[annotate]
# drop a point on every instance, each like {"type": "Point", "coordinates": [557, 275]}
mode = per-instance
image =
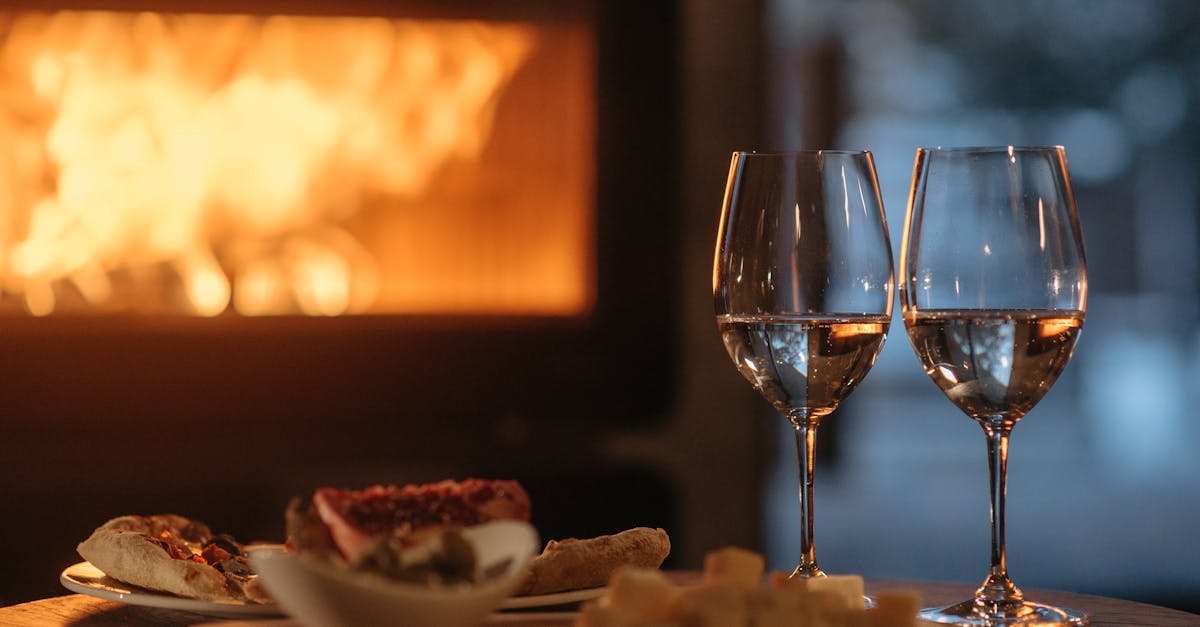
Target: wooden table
{"type": "Point", "coordinates": [85, 611]}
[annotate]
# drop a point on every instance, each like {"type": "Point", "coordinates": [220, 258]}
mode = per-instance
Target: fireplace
{"type": "Point", "coordinates": [199, 164]}
{"type": "Point", "coordinates": [368, 272]}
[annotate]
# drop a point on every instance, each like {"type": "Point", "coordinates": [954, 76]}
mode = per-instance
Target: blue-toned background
{"type": "Point", "coordinates": [1104, 492]}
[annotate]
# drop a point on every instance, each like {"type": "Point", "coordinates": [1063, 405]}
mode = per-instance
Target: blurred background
{"type": "Point", "coordinates": [1104, 495]}
{"type": "Point", "coordinates": [372, 241]}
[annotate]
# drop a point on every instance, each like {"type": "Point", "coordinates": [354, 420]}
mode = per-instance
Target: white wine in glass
{"type": "Point", "coordinates": [993, 286]}
{"type": "Point", "coordinates": [803, 287]}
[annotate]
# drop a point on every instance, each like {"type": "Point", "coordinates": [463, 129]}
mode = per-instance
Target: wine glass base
{"type": "Point", "coordinates": [1028, 614]}
{"type": "Point", "coordinates": [807, 572]}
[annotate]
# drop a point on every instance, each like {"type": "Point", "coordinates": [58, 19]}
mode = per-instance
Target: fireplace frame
{"type": "Point", "coordinates": [607, 367]}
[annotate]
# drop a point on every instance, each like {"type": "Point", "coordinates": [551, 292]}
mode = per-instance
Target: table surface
{"type": "Point", "coordinates": [86, 611]}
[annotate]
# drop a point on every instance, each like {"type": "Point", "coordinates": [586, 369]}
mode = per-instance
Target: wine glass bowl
{"type": "Point", "coordinates": [803, 289]}
{"type": "Point", "coordinates": [994, 364]}
{"type": "Point", "coordinates": [993, 285]}
{"type": "Point", "coordinates": [804, 365]}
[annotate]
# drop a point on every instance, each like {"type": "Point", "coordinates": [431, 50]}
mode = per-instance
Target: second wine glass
{"type": "Point", "coordinates": [802, 284]}
{"type": "Point", "coordinates": [994, 290]}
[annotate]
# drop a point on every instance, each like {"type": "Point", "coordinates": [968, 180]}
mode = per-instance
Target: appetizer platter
{"type": "Point", "coordinates": [449, 554]}
{"type": "Point", "coordinates": [427, 541]}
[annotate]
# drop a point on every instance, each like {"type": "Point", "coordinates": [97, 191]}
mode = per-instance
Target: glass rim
{"type": "Point", "coordinates": [790, 153]}
{"type": "Point", "coordinates": [991, 149]}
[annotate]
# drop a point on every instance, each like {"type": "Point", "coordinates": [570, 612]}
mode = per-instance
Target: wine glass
{"type": "Point", "coordinates": [993, 288]}
{"type": "Point", "coordinates": [803, 287]}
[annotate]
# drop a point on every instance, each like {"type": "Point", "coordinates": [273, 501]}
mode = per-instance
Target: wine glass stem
{"type": "Point", "coordinates": [998, 592]}
{"type": "Point", "coordinates": [806, 446]}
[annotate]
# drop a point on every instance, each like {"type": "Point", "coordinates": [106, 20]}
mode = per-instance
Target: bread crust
{"type": "Point", "coordinates": [574, 564]}
{"type": "Point", "coordinates": [124, 549]}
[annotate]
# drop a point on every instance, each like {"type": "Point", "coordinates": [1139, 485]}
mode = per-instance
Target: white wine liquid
{"type": "Point", "coordinates": [804, 365]}
{"type": "Point", "coordinates": [994, 362]}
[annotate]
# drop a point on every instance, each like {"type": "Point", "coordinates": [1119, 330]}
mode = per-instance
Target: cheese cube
{"type": "Point", "coordinates": [784, 591]}
{"type": "Point", "coordinates": [715, 605]}
{"type": "Point", "coordinates": [643, 592]}
{"type": "Point", "coordinates": [780, 617]}
{"type": "Point", "coordinates": [821, 603]}
{"type": "Point", "coordinates": [734, 566]}
{"type": "Point", "coordinates": [848, 588]}
{"type": "Point", "coordinates": [896, 608]}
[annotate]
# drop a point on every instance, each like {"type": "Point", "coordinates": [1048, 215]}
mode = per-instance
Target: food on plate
{"type": "Point", "coordinates": [326, 592]}
{"type": "Point", "coordinates": [174, 554]}
{"type": "Point", "coordinates": [574, 564]}
{"type": "Point", "coordinates": [444, 559]}
{"type": "Point", "coordinates": [732, 592]}
{"type": "Point", "coordinates": [374, 529]}
{"type": "Point", "coordinates": [411, 533]}
{"type": "Point", "coordinates": [349, 523]}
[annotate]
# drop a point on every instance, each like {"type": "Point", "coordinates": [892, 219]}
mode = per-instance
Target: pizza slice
{"type": "Point", "coordinates": [350, 522]}
{"type": "Point", "coordinates": [173, 554]}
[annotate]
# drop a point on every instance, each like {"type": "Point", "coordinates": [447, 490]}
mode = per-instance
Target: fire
{"type": "Point", "coordinates": [220, 157]}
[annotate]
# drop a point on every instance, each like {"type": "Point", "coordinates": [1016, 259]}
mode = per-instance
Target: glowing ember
{"type": "Point", "coordinates": [220, 157]}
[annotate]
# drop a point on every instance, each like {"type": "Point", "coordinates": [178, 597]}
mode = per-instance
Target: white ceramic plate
{"type": "Point", "coordinates": [550, 600]}
{"type": "Point", "coordinates": [322, 595]}
{"type": "Point", "coordinates": [87, 579]}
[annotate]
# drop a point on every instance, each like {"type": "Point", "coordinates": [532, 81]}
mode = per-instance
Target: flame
{"type": "Point", "coordinates": [220, 155]}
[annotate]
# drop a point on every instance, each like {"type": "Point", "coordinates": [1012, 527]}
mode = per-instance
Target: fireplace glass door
{"type": "Point", "coordinates": [225, 164]}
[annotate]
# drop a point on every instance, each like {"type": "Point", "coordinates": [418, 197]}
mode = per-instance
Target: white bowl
{"type": "Point", "coordinates": [320, 594]}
